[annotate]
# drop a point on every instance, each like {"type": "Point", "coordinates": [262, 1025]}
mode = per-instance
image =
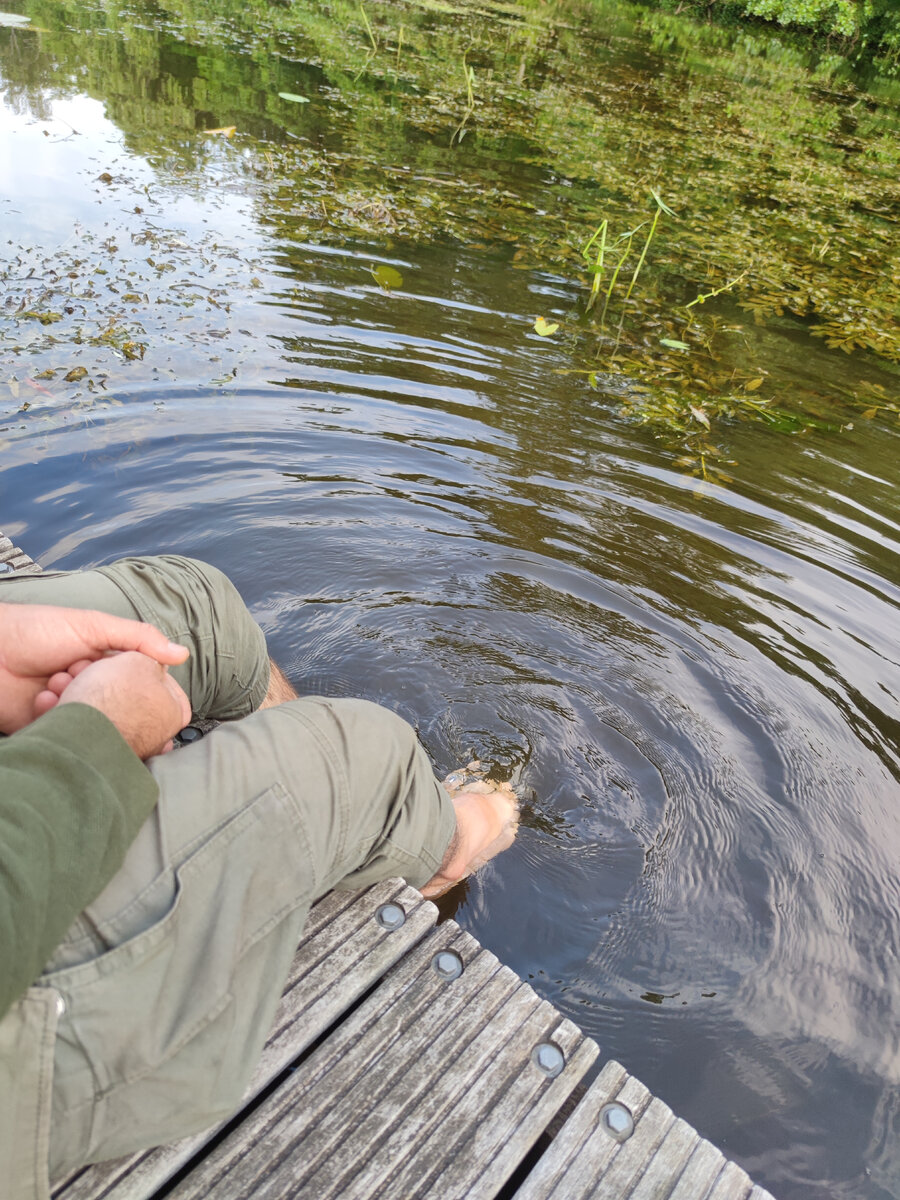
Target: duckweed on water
{"type": "Point", "coordinates": [526, 127]}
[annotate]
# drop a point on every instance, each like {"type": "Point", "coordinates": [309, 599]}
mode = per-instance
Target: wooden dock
{"type": "Point", "coordinates": [407, 1062]}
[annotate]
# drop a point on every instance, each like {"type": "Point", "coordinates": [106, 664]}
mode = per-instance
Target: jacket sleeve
{"type": "Point", "coordinates": [73, 796]}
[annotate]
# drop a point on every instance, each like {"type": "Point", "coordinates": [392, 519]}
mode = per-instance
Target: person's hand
{"type": "Point", "coordinates": [40, 643]}
{"type": "Point", "coordinates": [138, 695]}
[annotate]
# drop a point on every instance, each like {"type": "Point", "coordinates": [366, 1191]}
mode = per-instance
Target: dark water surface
{"type": "Point", "coordinates": [696, 686]}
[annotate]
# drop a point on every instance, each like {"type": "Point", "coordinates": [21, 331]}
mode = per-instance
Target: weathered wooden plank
{"type": "Point", "coordinates": [663, 1159]}
{"type": "Point", "coordinates": [421, 1082]}
{"type": "Point", "coordinates": [626, 1166]}
{"type": "Point", "coordinates": [344, 1069]}
{"type": "Point", "coordinates": [583, 1151]}
{"type": "Point", "coordinates": [12, 556]}
{"type": "Point", "coordinates": [667, 1163]}
{"type": "Point", "coordinates": [428, 1089]}
{"type": "Point", "coordinates": [343, 953]}
{"type": "Point", "coordinates": [486, 1152]}
{"type": "Point", "coordinates": [732, 1184]}
{"type": "Point", "coordinates": [704, 1165]}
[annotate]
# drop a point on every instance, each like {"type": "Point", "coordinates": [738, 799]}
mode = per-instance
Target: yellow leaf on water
{"type": "Point", "coordinates": [700, 416]}
{"type": "Point", "coordinates": [228, 130]}
{"type": "Point", "coordinates": [544, 327]}
{"type": "Point", "coordinates": [752, 384]}
{"type": "Point", "coordinates": [870, 413]}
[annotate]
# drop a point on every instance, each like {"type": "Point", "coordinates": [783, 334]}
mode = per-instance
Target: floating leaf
{"type": "Point", "coordinates": [870, 413]}
{"type": "Point", "coordinates": [75, 374]}
{"type": "Point", "coordinates": [293, 97]}
{"type": "Point", "coordinates": [673, 344]}
{"type": "Point", "coordinates": [387, 277]}
{"type": "Point", "coordinates": [14, 20]}
{"type": "Point", "coordinates": [544, 327]}
{"type": "Point", "coordinates": [699, 415]}
{"type": "Point", "coordinates": [752, 384]}
{"type": "Point", "coordinates": [228, 130]}
{"type": "Point", "coordinates": [45, 318]}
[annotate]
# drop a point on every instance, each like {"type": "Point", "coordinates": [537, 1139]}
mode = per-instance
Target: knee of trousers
{"type": "Point", "coordinates": [396, 818]}
{"type": "Point", "coordinates": [195, 604]}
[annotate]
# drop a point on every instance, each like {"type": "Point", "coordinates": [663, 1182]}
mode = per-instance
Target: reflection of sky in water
{"type": "Point", "coordinates": [49, 177]}
{"type": "Point", "coordinates": [44, 165]}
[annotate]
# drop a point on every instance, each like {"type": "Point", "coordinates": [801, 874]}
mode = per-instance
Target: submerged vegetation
{"type": "Point", "coordinates": [717, 206]}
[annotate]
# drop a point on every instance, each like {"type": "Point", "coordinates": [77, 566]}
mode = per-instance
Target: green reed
{"type": "Point", "coordinates": [599, 246]}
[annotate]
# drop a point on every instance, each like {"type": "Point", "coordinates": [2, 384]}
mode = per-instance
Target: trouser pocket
{"type": "Point", "coordinates": [27, 1034]}
{"type": "Point", "coordinates": [161, 1033]}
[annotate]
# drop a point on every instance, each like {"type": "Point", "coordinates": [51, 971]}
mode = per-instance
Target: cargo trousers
{"type": "Point", "coordinates": [152, 1012]}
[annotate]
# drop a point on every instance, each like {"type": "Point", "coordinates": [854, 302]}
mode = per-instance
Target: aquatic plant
{"type": "Point", "coordinates": [460, 130]}
{"type": "Point", "coordinates": [623, 244]}
{"type": "Point", "coordinates": [785, 182]}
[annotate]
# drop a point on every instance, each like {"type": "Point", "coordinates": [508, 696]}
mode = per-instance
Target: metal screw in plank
{"type": "Point", "coordinates": [190, 734]}
{"type": "Point", "coordinates": [390, 916]}
{"type": "Point", "coordinates": [617, 1121]}
{"type": "Point", "coordinates": [447, 964]}
{"type": "Point", "coordinates": [548, 1057]}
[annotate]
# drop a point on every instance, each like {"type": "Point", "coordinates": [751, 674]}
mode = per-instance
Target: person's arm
{"type": "Point", "coordinates": [73, 795]}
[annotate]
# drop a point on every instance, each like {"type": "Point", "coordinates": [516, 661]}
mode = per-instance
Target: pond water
{"type": "Point", "coordinates": [677, 634]}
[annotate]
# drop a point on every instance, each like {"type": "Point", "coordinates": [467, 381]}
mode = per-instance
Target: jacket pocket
{"type": "Point", "coordinates": [161, 1033]}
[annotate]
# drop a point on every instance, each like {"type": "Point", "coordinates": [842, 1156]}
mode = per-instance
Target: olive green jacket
{"type": "Point", "coordinates": [73, 796]}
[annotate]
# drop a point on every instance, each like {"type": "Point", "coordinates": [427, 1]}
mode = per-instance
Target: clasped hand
{"type": "Point", "coordinates": [51, 656]}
